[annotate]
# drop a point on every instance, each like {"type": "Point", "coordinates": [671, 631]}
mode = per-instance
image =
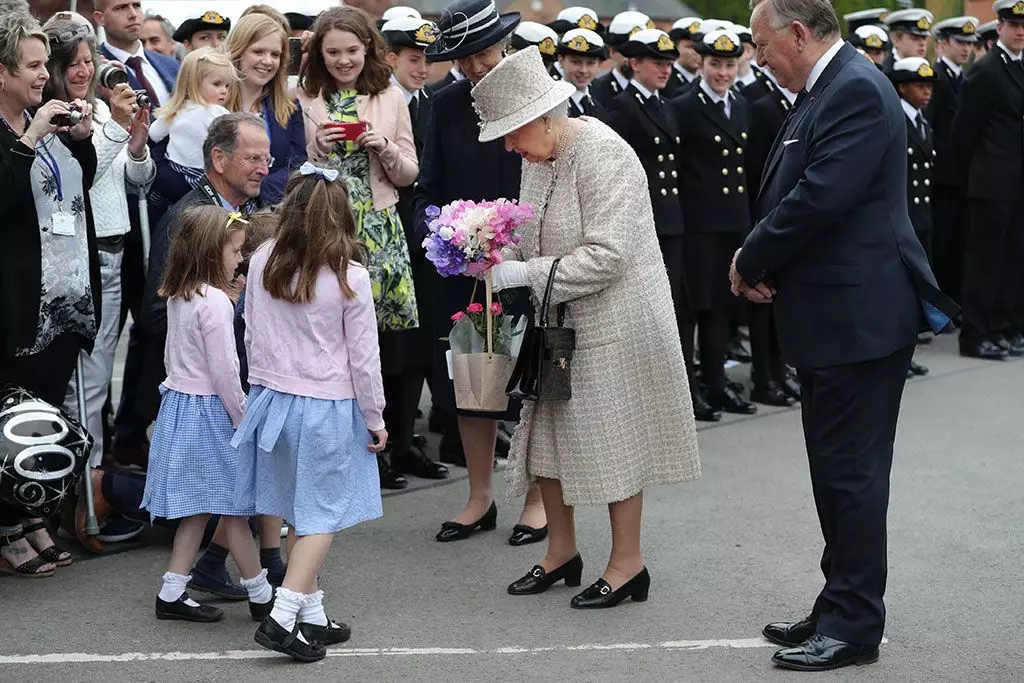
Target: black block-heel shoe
{"type": "Point", "coordinates": [261, 610]}
{"type": "Point", "coordinates": [180, 611]}
{"type": "Point", "coordinates": [525, 535]}
{"type": "Point", "coordinates": [272, 636]}
{"type": "Point", "coordinates": [600, 594]}
{"type": "Point", "coordinates": [538, 581]}
{"type": "Point", "coordinates": [453, 531]}
{"type": "Point", "coordinates": [333, 633]}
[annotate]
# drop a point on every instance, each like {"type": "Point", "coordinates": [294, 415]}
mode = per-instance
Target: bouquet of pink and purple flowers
{"type": "Point", "coordinates": [466, 237]}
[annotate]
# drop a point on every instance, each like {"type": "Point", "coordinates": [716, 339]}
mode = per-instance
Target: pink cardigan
{"type": "Point", "coordinates": [388, 114]}
{"type": "Point", "coordinates": [325, 349]}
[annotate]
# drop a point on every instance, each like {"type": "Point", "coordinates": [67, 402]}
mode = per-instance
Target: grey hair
{"type": "Point", "coordinates": [819, 16]}
{"type": "Point", "coordinates": [15, 26]}
{"type": "Point", "coordinates": [62, 55]}
{"type": "Point", "coordinates": [224, 132]}
{"type": "Point", "coordinates": [560, 110]}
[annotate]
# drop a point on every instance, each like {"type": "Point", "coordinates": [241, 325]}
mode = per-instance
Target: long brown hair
{"type": "Point", "coordinates": [375, 77]}
{"type": "Point", "coordinates": [316, 228]}
{"type": "Point", "coordinates": [252, 28]}
{"type": "Point", "coordinates": [197, 252]}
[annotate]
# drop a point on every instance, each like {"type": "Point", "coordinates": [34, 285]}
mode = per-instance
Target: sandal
{"type": "Point", "coordinates": [32, 569]}
{"type": "Point", "coordinates": [50, 553]}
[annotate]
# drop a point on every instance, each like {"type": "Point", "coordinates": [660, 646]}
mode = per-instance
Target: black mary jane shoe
{"type": "Point", "coordinates": [791, 633]}
{"type": "Point", "coordinates": [180, 611]}
{"type": "Point", "coordinates": [261, 610]}
{"type": "Point", "coordinates": [453, 531]}
{"type": "Point", "coordinates": [600, 594]}
{"type": "Point", "coordinates": [333, 633]}
{"type": "Point", "coordinates": [525, 535]}
{"type": "Point", "coordinates": [272, 636]}
{"type": "Point", "coordinates": [822, 653]}
{"type": "Point", "coordinates": [537, 580]}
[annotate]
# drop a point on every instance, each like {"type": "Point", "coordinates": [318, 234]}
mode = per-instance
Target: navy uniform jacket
{"type": "Point", "coordinates": [765, 117]}
{"type": "Point", "coordinates": [920, 167]}
{"type": "Point", "coordinates": [606, 90]}
{"type": "Point", "coordinates": [594, 109]}
{"type": "Point", "coordinates": [833, 233]}
{"type": "Point", "coordinates": [677, 85]}
{"type": "Point", "coordinates": [940, 114]}
{"type": "Point", "coordinates": [655, 139]}
{"type": "Point", "coordinates": [988, 132]}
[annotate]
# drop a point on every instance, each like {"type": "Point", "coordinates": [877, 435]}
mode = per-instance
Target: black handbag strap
{"type": "Point", "coordinates": [547, 299]}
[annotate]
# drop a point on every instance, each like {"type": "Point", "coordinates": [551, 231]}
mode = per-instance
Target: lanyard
{"type": "Point", "coordinates": [53, 167]}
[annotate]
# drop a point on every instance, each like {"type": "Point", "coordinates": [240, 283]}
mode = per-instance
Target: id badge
{"type": "Point", "coordinates": [63, 224]}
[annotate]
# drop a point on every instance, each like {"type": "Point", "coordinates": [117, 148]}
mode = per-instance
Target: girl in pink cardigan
{"type": "Point", "coordinates": [315, 414]}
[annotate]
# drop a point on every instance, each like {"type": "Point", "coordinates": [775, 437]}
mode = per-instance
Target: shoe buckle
{"type": "Point", "coordinates": [605, 590]}
{"type": "Point", "coordinates": [538, 572]}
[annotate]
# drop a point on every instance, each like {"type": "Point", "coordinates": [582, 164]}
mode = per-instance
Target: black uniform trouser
{"type": "Point", "coordinates": [993, 299]}
{"type": "Point", "coordinates": [766, 364]}
{"type": "Point", "coordinates": [672, 254]}
{"type": "Point", "coordinates": [849, 419]}
{"type": "Point", "coordinates": [949, 221]}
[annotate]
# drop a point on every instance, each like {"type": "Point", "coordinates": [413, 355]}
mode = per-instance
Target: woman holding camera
{"type": "Point", "coordinates": [119, 136]}
{"type": "Point", "coordinates": [49, 269]}
{"type": "Point", "coordinates": [258, 47]}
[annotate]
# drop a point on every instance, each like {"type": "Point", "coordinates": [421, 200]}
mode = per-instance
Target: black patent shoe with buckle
{"type": "Point", "coordinates": [272, 636]}
{"type": "Point", "coordinates": [333, 633]}
{"type": "Point", "coordinates": [525, 535]}
{"type": "Point", "coordinates": [537, 580]}
{"type": "Point", "coordinates": [453, 531]}
{"type": "Point", "coordinates": [179, 610]}
{"type": "Point", "coordinates": [600, 594]}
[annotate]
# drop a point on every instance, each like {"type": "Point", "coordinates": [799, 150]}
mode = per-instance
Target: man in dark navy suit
{"type": "Point", "coordinates": [834, 249]}
{"type": "Point", "coordinates": [147, 70]}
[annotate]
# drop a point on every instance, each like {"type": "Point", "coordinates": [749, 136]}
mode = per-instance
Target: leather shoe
{"type": "Point", "coordinates": [791, 633]}
{"type": "Point", "coordinates": [389, 479]}
{"type": "Point", "coordinates": [789, 384]}
{"type": "Point", "coordinates": [917, 369]}
{"type": "Point", "coordinates": [525, 535]}
{"type": "Point", "coordinates": [261, 610]}
{"type": "Point", "coordinates": [730, 402]}
{"type": "Point", "coordinates": [770, 394]}
{"type": "Point", "coordinates": [537, 580]}
{"type": "Point", "coordinates": [272, 636]}
{"type": "Point", "coordinates": [179, 610]}
{"type": "Point", "coordinates": [599, 594]}
{"type": "Point", "coordinates": [453, 531]}
{"type": "Point", "coordinates": [1015, 344]}
{"type": "Point", "coordinates": [215, 580]}
{"type": "Point", "coordinates": [333, 633]}
{"type": "Point", "coordinates": [822, 653]}
{"type": "Point", "coordinates": [985, 349]}
{"type": "Point", "coordinates": [702, 410]}
{"type": "Point", "coordinates": [415, 462]}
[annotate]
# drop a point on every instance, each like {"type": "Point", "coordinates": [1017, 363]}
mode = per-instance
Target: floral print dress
{"type": "Point", "coordinates": [394, 295]}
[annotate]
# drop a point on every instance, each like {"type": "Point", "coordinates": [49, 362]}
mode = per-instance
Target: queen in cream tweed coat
{"type": "Point", "coordinates": [629, 423]}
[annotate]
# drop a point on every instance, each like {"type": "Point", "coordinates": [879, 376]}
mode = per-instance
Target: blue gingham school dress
{"type": "Point", "coordinates": [193, 468]}
{"type": "Point", "coordinates": [305, 459]}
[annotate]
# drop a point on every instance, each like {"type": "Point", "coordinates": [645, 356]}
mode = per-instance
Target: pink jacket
{"type": "Point", "coordinates": [326, 349]}
{"type": "Point", "coordinates": [200, 353]}
{"type": "Point", "coordinates": [388, 114]}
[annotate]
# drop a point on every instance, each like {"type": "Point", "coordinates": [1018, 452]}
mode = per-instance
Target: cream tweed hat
{"type": "Point", "coordinates": [516, 92]}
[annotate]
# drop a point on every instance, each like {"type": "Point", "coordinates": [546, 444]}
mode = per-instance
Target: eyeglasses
{"type": "Point", "coordinates": [259, 160]}
{"type": "Point", "coordinates": [82, 31]}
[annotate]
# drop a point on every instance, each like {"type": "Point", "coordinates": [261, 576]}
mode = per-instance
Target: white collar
{"type": "Point", "coordinates": [687, 75]}
{"type": "Point", "coordinates": [122, 55]}
{"type": "Point", "coordinates": [955, 68]}
{"type": "Point", "coordinates": [560, 70]}
{"type": "Point", "coordinates": [910, 110]}
{"type": "Point", "coordinates": [617, 75]}
{"type": "Point", "coordinates": [459, 76]}
{"type": "Point", "coordinates": [748, 79]}
{"type": "Point", "coordinates": [408, 94]}
{"type": "Point", "coordinates": [1015, 56]}
{"type": "Point", "coordinates": [822, 64]}
{"type": "Point", "coordinates": [643, 91]}
{"type": "Point", "coordinates": [580, 94]}
{"type": "Point", "coordinates": [710, 92]}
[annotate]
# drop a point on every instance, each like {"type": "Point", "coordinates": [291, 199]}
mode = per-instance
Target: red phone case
{"type": "Point", "coordinates": [351, 129]}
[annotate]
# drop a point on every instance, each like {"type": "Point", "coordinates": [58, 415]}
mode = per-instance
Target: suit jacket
{"type": "Point", "coordinates": [288, 147]}
{"type": "Point", "coordinates": [766, 117]}
{"type": "Point", "coordinates": [606, 89]}
{"type": "Point", "coordinates": [833, 233]}
{"type": "Point", "coordinates": [712, 173]}
{"type": "Point", "coordinates": [940, 114]}
{"type": "Point", "coordinates": [166, 67]}
{"type": "Point", "coordinates": [988, 131]}
{"type": "Point", "coordinates": [920, 167]}
{"type": "Point", "coordinates": [655, 139]}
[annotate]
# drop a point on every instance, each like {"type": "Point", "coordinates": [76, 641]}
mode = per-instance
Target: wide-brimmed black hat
{"type": "Point", "coordinates": [467, 27]}
{"type": "Point", "coordinates": [917, 22]}
{"type": "Point", "coordinates": [209, 21]}
{"type": "Point", "coordinates": [910, 69]}
{"type": "Point", "coordinates": [650, 42]}
{"type": "Point", "coordinates": [409, 32]}
{"type": "Point", "coordinates": [719, 43]}
{"type": "Point", "coordinates": [685, 28]}
{"type": "Point", "coordinates": [870, 37]}
{"type": "Point", "coordinates": [583, 42]}
{"type": "Point", "coordinates": [577, 17]}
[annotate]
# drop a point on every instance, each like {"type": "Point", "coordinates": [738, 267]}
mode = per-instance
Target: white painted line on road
{"type": "Point", "coordinates": [87, 658]}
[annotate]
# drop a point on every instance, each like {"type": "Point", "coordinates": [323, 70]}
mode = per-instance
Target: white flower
{"type": "Point", "coordinates": [446, 233]}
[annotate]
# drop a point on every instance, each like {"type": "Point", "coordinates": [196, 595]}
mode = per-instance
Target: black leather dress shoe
{"type": "Point", "coordinates": [272, 636]}
{"type": "Point", "coordinates": [789, 384]}
{"type": "Point", "coordinates": [821, 653]}
{"type": "Point", "coordinates": [923, 340]}
{"type": "Point", "coordinates": [333, 633]}
{"type": "Point", "coordinates": [770, 394]}
{"type": "Point", "coordinates": [599, 594]}
{"type": "Point", "coordinates": [538, 581]}
{"type": "Point", "coordinates": [453, 531]}
{"type": "Point", "coordinates": [261, 610]}
{"type": "Point", "coordinates": [702, 410]}
{"type": "Point", "coordinates": [415, 462]}
{"type": "Point", "coordinates": [729, 401]}
{"type": "Point", "coordinates": [917, 369]}
{"type": "Point", "coordinates": [389, 479]}
{"type": "Point", "coordinates": [791, 633]}
{"type": "Point", "coordinates": [179, 611]}
{"type": "Point", "coordinates": [525, 535]}
{"type": "Point", "coordinates": [450, 452]}
{"type": "Point", "coordinates": [1015, 344]}
{"type": "Point", "coordinates": [986, 350]}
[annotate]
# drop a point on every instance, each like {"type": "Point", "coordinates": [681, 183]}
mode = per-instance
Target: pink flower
{"type": "Point", "coordinates": [458, 316]}
{"type": "Point", "coordinates": [475, 308]}
{"type": "Point", "coordinates": [496, 308]}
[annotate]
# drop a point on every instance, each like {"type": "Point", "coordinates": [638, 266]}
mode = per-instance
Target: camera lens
{"type": "Point", "coordinates": [111, 76]}
{"type": "Point", "coordinates": [72, 118]}
{"type": "Point", "coordinates": [142, 99]}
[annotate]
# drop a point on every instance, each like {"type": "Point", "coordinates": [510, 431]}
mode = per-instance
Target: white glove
{"type": "Point", "coordinates": [509, 275]}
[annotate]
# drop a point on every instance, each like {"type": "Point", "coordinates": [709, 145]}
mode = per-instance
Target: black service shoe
{"type": "Point", "coordinates": [702, 410]}
{"type": "Point", "coordinates": [821, 653]}
{"type": "Point", "coordinates": [261, 610]}
{"type": "Point", "coordinates": [389, 479]}
{"type": "Point", "coordinates": [599, 594]}
{"type": "Point", "coordinates": [453, 531]}
{"type": "Point", "coordinates": [985, 349]}
{"type": "Point", "coordinates": [737, 352]}
{"type": "Point", "coordinates": [525, 535]}
{"type": "Point", "coordinates": [272, 636]}
{"type": "Point", "coordinates": [1015, 344]}
{"type": "Point", "coordinates": [791, 633]}
{"type": "Point", "coordinates": [538, 581]}
{"type": "Point", "coordinates": [415, 462]}
{"type": "Point", "coordinates": [917, 369]}
{"type": "Point", "coordinates": [730, 402]}
{"type": "Point", "coordinates": [789, 384]}
{"type": "Point", "coordinates": [333, 633]}
{"type": "Point", "coordinates": [179, 611]}
{"type": "Point", "coordinates": [770, 394]}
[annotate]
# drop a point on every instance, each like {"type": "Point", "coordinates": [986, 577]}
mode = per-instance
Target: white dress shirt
{"type": "Point", "coordinates": [716, 98]}
{"type": "Point", "coordinates": [643, 91]}
{"type": "Point", "coordinates": [406, 93]}
{"type": "Point", "coordinates": [749, 78]}
{"type": "Point", "coordinates": [822, 64]}
{"type": "Point", "coordinates": [560, 70]}
{"type": "Point", "coordinates": [911, 111]}
{"type": "Point", "coordinates": [578, 96]}
{"type": "Point", "coordinates": [687, 75]}
{"type": "Point", "coordinates": [1015, 56]}
{"type": "Point", "coordinates": [955, 68]}
{"type": "Point", "coordinates": [623, 81]}
{"type": "Point", "coordinates": [162, 93]}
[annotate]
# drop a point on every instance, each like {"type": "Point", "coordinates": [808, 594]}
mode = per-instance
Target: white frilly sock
{"type": "Point", "coordinates": [312, 612]}
{"type": "Point", "coordinates": [258, 588]}
{"type": "Point", "coordinates": [286, 609]}
{"type": "Point", "coordinates": [174, 587]}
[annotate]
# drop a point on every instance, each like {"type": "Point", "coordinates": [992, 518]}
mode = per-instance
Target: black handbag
{"type": "Point", "coordinates": [543, 371]}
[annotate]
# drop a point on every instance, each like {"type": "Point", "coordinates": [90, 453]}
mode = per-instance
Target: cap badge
{"type": "Point", "coordinates": [694, 27]}
{"type": "Point", "coordinates": [925, 24]}
{"type": "Point", "coordinates": [874, 42]}
{"type": "Point", "coordinates": [211, 17]}
{"type": "Point", "coordinates": [925, 71]}
{"type": "Point", "coordinates": [650, 24]}
{"type": "Point", "coordinates": [634, 30]}
{"type": "Point", "coordinates": [1018, 9]}
{"type": "Point", "coordinates": [586, 21]}
{"type": "Point", "coordinates": [968, 28]}
{"type": "Point", "coordinates": [723, 44]}
{"type": "Point", "coordinates": [665, 43]}
{"type": "Point", "coordinates": [547, 46]}
{"type": "Point", "coordinates": [425, 34]}
{"type": "Point", "coordinates": [883, 16]}
{"type": "Point", "coordinates": [579, 44]}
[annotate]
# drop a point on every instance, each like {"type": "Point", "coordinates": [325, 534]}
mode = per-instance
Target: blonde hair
{"type": "Point", "coordinates": [196, 67]}
{"type": "Point", "coordinates": [250, 29]}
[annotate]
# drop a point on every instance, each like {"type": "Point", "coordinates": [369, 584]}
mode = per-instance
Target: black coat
{"type": "Point", "coordinates": [420, 116]}
{"type": "Point", "coordinates": [677, 85]}
{"type": "Point", "coordinates": [712, 172]}
{"type": "Point", "coordinates": [765, 117]}
{"type": "Point", "coordinates": [448, 79]}
{"type": "Point", "coordinates": [606, 89]}
{"type": "Point", "coordinates": [920, 168]}
{"type": "Point", "coordinates": [940, 114]}
{"type": "Point", "coordinates": [988, 131]}
{"type": "Point", "coordinates": [759, 87]}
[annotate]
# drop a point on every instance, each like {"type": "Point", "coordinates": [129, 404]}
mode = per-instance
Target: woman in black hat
{"type": "Point", "coordinates": [580, 53]}
{"type": "Point", "coordinates": [456, 165]}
